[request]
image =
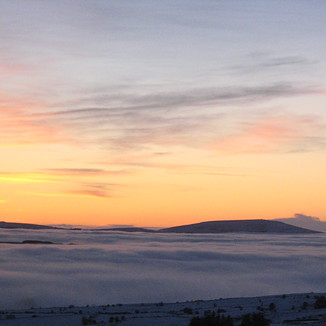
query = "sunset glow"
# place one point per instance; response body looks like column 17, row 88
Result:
column 159, row 113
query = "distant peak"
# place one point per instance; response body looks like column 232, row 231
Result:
column 243, row 226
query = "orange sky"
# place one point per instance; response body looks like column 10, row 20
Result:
column 106, row 121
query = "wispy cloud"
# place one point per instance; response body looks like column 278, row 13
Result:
column 17, row 128
column 57, row 172
column 9, row 68
column 262, row 63
column 69, row 178
column 19, row 104
column 186, row 117
column 74, row 193
column 214, row 174
column 97, row 190
column 109, row 106
column 272, row 134
column 187, row 169
column 97, row 193
column 128, row 121
column 73, row 172
column 81, row 189
column 27, row 178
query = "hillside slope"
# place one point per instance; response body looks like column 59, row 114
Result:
column 9, row 225
column 251, row 226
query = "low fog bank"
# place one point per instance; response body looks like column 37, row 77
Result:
column 305, row 221
column 113, row 267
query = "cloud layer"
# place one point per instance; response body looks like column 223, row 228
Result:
column 105, row 267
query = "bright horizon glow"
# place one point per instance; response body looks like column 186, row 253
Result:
column 161, row 113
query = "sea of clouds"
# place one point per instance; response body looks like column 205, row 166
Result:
column 96, row 267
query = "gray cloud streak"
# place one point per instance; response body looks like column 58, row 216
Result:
column 173, row 100
column 187, row 117
column 125, row 121
column 261, row 63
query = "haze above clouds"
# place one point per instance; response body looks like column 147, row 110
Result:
column 109, row 267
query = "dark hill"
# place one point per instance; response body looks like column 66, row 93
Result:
column 131, row 229
column 8, row 225
column 252, row 226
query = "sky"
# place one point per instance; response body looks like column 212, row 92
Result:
column 159, row 113
column 116, row 267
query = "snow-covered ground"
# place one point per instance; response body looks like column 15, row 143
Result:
column 286, row 309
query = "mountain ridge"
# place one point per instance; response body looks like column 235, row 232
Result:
column 220, row 226
column 13, row 225
column 239, row 226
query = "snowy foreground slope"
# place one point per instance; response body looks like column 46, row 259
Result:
column 289, row 309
